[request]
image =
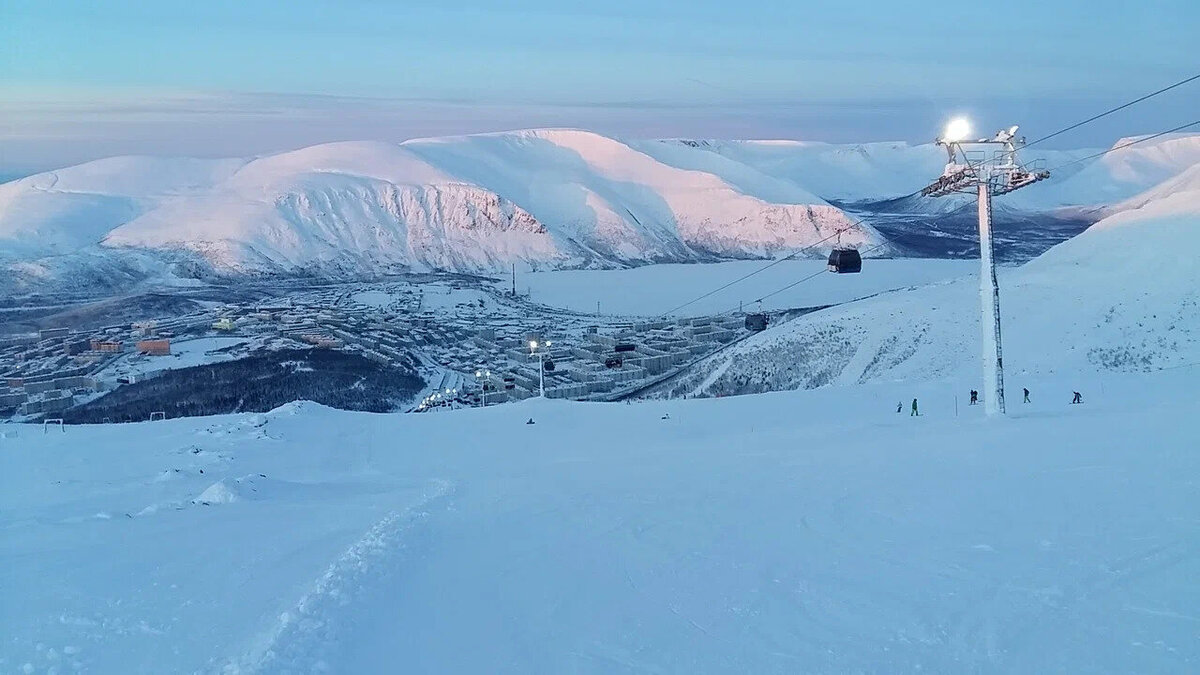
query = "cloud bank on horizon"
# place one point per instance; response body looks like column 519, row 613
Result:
column 176, row 78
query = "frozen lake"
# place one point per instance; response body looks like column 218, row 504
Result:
column 656, row 289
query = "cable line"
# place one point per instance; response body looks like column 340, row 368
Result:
column 1064, row 130
column 1113, row 110
column 762, row 269
column 1126, row 145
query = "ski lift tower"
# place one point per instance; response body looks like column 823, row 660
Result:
column 971, row 170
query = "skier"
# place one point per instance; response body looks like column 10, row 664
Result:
column 1026, row 394
column 666, row 416
column 974, row 397
column 899, row 406
column 530, row 421
column 914, row 412
column 1078, row 398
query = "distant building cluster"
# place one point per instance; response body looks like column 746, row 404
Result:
column 49, row 371
column 448, row 338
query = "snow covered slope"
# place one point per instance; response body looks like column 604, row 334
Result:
column 61, row 211
column 732, row 537
column 1124, row 295
column 545, row 199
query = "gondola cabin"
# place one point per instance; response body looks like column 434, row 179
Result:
column 845, row 261
column 756, row 322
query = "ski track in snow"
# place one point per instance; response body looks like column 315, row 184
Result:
column 296, row 644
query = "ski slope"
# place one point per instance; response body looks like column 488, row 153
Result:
column 811, row 531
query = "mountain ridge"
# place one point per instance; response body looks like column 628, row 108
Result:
column 539, row 198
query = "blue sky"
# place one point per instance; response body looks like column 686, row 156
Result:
column 80, row 80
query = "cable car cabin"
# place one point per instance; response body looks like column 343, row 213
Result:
column 613, row 362
column 845, row 261
column 756, row 322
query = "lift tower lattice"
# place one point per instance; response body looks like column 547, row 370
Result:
column 970, row 170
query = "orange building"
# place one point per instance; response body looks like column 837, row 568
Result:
column 154, row 347
column 106, row 345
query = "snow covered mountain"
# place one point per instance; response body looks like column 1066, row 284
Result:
column 874, row 172
column 542, row 199
column 1123, row 296
column 545, row 199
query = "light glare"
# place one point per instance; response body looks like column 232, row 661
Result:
column 958, row 129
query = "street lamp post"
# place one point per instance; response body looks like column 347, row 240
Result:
column 484, row 377
column 541, row 356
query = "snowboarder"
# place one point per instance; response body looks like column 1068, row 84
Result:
column 1078, row 398
column 899, row 407
column 530, row 421
column 974, row 397
column 666, row 416
column 1026, row 389
column 914, row 412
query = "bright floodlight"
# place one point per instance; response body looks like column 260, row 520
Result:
column 533, row 344
column 958, row 129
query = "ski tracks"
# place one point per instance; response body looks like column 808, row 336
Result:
column 298, row 641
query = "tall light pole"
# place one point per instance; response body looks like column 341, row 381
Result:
column 541, row 356
column 985, row 178
column 484, row 377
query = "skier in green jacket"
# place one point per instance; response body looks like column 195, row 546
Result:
column 914, row 409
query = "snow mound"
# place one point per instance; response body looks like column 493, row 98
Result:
column 220, row 492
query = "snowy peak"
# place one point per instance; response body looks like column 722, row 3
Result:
column 540, row 198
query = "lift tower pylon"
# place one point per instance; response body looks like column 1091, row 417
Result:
column 970, row 170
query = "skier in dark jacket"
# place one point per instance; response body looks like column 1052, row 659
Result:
column 974, row 397
column 899, row 406
column 1026, row 395
column 1078, row 398
column 914, row 412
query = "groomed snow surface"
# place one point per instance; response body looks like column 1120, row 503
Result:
column 796, row 532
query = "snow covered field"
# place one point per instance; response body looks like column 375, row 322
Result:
column 813, row 531
column 654, row 289
column 184, row 354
